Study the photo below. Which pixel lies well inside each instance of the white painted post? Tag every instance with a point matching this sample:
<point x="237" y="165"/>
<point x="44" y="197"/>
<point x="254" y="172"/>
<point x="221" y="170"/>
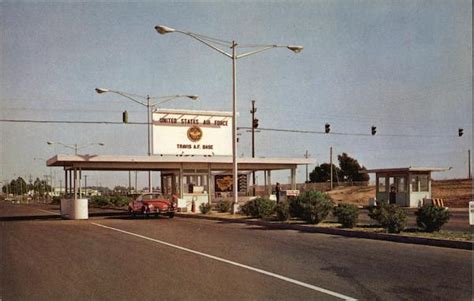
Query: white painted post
<point x="471" y="213"/>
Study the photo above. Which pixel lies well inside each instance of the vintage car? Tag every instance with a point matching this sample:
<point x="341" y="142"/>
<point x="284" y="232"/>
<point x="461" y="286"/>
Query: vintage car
<point x="153" y="204"/>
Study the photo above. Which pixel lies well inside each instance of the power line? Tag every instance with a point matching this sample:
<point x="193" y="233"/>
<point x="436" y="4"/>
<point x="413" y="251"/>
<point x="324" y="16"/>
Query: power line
<point x="66" y="121"/>
<point x="345" y="134"/>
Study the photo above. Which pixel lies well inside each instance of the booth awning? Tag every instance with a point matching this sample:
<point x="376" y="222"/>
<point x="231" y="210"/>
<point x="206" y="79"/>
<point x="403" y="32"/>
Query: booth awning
<point x="404" y="170"/>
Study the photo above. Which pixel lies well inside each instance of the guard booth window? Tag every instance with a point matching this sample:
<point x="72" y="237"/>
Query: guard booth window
<point x="414" y="184"/>
<point x="381" y="184"/>
<point x="401" y="184"/>
<point x="423" y="183"/>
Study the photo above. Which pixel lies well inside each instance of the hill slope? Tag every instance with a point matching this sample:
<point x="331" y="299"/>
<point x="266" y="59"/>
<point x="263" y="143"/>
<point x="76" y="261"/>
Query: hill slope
<point x="456" y="193"/>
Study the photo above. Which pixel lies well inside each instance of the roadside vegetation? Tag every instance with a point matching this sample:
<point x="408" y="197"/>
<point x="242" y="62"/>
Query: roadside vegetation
<point x="109" y="201"/>
<point x="317" y="208"/>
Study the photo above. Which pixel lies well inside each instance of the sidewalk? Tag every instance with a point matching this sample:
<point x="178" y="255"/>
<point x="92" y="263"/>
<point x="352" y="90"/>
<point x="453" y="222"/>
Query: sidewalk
<point x="303" y="227"/>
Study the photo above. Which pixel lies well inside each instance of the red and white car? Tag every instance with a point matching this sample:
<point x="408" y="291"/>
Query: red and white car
<point x="153" y="203"/>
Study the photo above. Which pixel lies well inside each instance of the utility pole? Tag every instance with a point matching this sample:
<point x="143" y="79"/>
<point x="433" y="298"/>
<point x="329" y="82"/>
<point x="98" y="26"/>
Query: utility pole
<point x="330" y="162"/>
<point x="306" y="155"/>
<point x="469" y="162"/>
<point x="252" y="111"/>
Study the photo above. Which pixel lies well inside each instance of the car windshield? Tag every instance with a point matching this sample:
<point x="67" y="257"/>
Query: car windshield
<point x="151" y="196"/>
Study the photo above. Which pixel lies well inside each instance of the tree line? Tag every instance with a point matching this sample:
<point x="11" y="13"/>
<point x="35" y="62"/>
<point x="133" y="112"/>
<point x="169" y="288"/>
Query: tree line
<point x="19" y="187"/>
<point x="347" y="171"/>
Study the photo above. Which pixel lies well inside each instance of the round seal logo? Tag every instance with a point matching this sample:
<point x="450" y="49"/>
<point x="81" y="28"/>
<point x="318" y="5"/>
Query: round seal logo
<point x="194" y="133"/>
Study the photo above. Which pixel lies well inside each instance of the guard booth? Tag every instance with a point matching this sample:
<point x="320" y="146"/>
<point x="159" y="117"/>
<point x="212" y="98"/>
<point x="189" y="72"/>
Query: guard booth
<point x="406" y="187"/>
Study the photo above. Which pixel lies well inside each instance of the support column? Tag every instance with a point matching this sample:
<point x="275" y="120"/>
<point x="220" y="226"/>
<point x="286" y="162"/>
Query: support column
<point x="269" y="182"/>
<point x="70" y="181"/>
<point x="65" y="183"/>
<point x="180" y="181"/>
<point x="209" y="181"/>
<point x="293" y="178"/>
<point x="75" y="184"/>
<point x="80" y="183"/>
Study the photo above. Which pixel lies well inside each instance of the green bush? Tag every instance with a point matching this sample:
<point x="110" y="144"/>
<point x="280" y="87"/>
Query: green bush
<point x="390" y="217"/>
<point x="346" y="214"/>
<point x="258" y="207"/>
<point x="223" y="206"/>
<point x="205" y="208"/>
<point x="100" y="200"/>
<point x="119" y="200"/>
<point x="311" y="206"/>
<point x="282" y="210"/>
<point x="431" y="218"/>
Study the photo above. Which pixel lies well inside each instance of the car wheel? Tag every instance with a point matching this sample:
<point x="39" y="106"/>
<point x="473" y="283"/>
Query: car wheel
<point x="171" y="214"/>
<point x="131" y="212"/>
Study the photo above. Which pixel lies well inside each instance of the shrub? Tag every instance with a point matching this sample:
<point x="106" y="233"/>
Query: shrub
<point x="282" y="210"/>
<point x="258" y="207"/>
<point x="390" y="217"/>
<point x="223" y="206"/>
<point x="119" y="200"/>
<point x="100" y="200"/>
<point x="346" y="214"/>
<point x="311" y="206"/>
<point x="430" y="218"/>
<point x="205" y="208"/>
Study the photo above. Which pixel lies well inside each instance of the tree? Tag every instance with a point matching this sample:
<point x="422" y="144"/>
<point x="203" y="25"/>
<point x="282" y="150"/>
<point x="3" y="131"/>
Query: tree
<point x="41" y="187"/>
<point x="350" y="168"/>
<point x="322" y="173"/>
<point x="18" y="187"/>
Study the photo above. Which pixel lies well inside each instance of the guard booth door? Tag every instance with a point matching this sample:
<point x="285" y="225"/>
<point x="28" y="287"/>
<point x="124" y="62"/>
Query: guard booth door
<point x="397" y="183"/>
<point x="401" y="189"/>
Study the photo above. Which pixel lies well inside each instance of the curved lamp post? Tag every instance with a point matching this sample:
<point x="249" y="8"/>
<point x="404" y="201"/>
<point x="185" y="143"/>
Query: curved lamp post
<point x="214" y="43"/>
<point x="75" y="147"/>
<point x="145" y="101"/>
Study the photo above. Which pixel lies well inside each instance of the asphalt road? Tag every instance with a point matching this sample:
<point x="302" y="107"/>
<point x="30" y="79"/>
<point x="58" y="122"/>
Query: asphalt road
<point x="117" y="258"/>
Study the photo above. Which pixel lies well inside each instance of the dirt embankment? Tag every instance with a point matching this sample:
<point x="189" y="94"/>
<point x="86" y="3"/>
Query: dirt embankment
<point x="456" y="193"/>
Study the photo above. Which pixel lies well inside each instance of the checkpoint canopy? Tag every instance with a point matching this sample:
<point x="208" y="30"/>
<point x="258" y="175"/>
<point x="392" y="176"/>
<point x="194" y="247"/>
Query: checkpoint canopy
<point x="187" y="176"/>
<point x="404" y="186"/>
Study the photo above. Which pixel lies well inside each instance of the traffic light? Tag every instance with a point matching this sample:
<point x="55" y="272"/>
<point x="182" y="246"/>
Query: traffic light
<point x="125" y="117"/>
<point x="327" y="128"/>
<point x="460" y="132"/>
<point x="374" y="130"/>
<point x="255" y="123"/>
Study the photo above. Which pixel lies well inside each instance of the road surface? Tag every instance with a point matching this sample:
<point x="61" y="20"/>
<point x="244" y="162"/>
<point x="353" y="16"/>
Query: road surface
<point x="115" y="257"/>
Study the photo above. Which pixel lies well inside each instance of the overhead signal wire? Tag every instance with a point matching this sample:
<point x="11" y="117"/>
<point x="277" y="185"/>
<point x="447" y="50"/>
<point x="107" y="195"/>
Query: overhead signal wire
<point x="346" y="134"/>
<point x="239" y="128"/>
<point x="66" y="121"/>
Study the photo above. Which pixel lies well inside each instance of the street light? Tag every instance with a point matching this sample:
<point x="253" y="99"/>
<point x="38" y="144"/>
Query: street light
<point x="212" y="42"/>
<point x="145" y="101"/>
<point x="75" y="147"/>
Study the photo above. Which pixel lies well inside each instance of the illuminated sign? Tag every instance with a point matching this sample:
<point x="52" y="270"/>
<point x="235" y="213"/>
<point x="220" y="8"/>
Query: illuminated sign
<point x="223" y="183"/>
<point x="183" y="133"/>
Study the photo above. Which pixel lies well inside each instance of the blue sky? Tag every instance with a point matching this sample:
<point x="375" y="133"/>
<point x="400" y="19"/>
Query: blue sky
<point x="403" y="66"/>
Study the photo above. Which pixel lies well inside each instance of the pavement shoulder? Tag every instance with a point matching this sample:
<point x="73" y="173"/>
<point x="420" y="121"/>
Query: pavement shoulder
<point x="435" y="242"/>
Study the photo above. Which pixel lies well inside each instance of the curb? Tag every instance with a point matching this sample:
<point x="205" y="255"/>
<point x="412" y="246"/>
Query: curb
<point x="444" y="243"/>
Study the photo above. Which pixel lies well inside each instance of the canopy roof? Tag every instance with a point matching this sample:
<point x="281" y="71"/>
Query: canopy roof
<point x="158" y="163"/>
<point x="405" y="170"/>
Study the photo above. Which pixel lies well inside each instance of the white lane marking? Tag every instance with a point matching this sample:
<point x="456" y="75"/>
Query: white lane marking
<point x="48" y="211"/>
<point x="310" y="286"/>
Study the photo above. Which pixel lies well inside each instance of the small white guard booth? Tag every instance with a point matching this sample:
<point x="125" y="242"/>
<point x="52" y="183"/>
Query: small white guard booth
<point x="406" y="186"/>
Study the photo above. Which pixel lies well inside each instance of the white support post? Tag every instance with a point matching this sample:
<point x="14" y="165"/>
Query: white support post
<point x="75" y="184"/>
<point x="180" y="178"/>
<point x="209" y="182"/>
<point x="293" y="178"/>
